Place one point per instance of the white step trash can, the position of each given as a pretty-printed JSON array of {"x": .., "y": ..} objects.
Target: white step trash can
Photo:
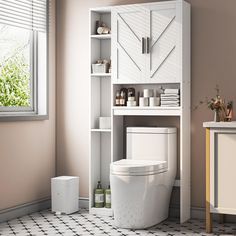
[{"x": 65, "y": 194}]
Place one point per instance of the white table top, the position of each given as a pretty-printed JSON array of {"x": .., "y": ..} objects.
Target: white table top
[{"x": 212, "y": 124}]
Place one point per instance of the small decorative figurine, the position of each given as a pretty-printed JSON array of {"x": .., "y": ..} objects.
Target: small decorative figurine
[
  {"x": 102, "y": 28},
  {"x": 229, "y": 111}
]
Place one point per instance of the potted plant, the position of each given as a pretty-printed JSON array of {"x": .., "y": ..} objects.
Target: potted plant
[{"x": 217, "y": 104}]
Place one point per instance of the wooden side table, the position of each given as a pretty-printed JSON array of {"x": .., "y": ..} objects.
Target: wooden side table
[{"x": 220, "y": 170}]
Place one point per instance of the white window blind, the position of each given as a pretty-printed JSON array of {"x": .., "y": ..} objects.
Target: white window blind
[{"x": 28, "y": 14}]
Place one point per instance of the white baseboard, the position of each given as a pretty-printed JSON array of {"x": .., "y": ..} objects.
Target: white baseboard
[
  {"x": 28, "y": 208},
  {"x": 199, "y": 213},
  {"x": 196, "y": 212},
  {"x": 83, "y": 202},
  {"x": 24, "y": 209}
]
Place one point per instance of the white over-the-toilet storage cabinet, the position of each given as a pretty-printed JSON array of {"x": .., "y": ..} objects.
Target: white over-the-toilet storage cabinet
[{"x": 149, "y": 46}]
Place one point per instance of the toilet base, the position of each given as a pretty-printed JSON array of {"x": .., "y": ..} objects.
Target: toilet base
[
  {"x": 140, "y": 202},
  {"x": 141, "y": 226}
]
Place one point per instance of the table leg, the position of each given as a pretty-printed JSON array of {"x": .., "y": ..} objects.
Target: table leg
[
  {"x": 208, "y": 213},
  {"x": 221, "y": 218}
]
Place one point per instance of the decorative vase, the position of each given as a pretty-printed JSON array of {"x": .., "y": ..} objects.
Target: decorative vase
[{"x": 217, "y": 116}]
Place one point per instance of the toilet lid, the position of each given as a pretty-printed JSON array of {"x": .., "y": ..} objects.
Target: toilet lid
[{"x": 138, "y": 167}]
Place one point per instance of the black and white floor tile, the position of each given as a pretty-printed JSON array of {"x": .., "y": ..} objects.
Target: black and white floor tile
[{"x": 82, "y": 223}]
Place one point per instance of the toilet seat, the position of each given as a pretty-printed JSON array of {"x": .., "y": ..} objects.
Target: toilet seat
[{"x": 138, "y": 167}]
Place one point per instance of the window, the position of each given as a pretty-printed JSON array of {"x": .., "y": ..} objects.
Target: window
[{"x": 23, "y": 57}]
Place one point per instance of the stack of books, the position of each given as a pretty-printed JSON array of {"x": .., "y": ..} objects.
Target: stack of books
[{"x": 170, "y": 98}]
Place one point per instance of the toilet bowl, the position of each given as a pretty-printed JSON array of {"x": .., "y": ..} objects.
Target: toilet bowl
[{"x": 141, "y": 184}]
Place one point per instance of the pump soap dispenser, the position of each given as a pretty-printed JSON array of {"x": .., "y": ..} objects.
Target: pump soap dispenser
[{"x": 99, "y": 196}]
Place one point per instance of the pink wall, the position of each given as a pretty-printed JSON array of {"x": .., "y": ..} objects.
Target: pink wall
[{"x": 27, "y": 156}]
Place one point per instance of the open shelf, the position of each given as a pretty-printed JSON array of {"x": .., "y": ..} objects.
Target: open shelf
[
  {"x": 100, "y": 106},
  {"x": 101, "y": 75},
  {"x": 101, "y": 36},
  {"x": 101, "y": 211},
  {"x": 101, "y": 130},
  {"x": 147, "y": 111}
]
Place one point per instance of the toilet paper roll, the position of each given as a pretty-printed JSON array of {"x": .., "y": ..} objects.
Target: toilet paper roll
[
  {"x": 143, "y": 102},
  {"x": 154, "y": 101},
  {"x": 148, "y": 93}
]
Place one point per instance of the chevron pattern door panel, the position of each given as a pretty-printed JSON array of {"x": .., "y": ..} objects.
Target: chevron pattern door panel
[
  {"x": 164, "y": 49},
  {"x": 129, "y": 28}
]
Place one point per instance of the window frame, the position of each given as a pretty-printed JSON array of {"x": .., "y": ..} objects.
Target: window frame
[{"x": 32, "y": 112}]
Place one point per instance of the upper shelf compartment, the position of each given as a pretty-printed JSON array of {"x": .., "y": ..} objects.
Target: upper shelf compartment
[
  {"x": 100, "y": 18},
  {"x": 100, "y": 39}
]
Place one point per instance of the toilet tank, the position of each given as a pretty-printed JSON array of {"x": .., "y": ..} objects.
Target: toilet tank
[{"x": 150, "y": 143}]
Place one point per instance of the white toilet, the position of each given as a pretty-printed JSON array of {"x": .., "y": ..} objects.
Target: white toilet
[{"x": 141, "y": 184}]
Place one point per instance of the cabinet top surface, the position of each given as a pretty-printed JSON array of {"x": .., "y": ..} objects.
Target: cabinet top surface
[
  {"x": 109, "y": 8},
  {"x": 212, "y": 124}
]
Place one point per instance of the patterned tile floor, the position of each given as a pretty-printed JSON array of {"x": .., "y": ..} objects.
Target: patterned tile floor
[{"x": 82, "y": 223}]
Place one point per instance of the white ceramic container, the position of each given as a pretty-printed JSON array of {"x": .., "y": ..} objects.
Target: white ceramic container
[{"x": 104, "y": 122}]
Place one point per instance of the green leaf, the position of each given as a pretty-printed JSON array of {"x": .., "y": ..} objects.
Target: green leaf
[{"x": 15, "y": 82}]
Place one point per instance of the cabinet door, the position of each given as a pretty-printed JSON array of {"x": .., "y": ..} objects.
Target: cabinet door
[
  {"x": 128, "y": 32},
  {"x": 162, "y": 44},
  {"x": 222, "y": 171}
]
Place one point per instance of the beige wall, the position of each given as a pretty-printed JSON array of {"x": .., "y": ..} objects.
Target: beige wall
[
  {"x": 27, "y": 149},
  {"x": 213, "y": 62}
]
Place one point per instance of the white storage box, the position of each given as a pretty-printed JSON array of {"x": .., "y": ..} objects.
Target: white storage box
[
  {"x": 65, "y": 194},
  {"x": 104, "y": 122},
  {"x": 100, "y": 68}
]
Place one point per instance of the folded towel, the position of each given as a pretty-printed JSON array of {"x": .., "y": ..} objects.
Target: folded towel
[
  {"x": 170, "y": 99},
  {"x": 170, "y": 105},
  {"x": 173, "y": 91},
  {"x": 169, "y": 96}
]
